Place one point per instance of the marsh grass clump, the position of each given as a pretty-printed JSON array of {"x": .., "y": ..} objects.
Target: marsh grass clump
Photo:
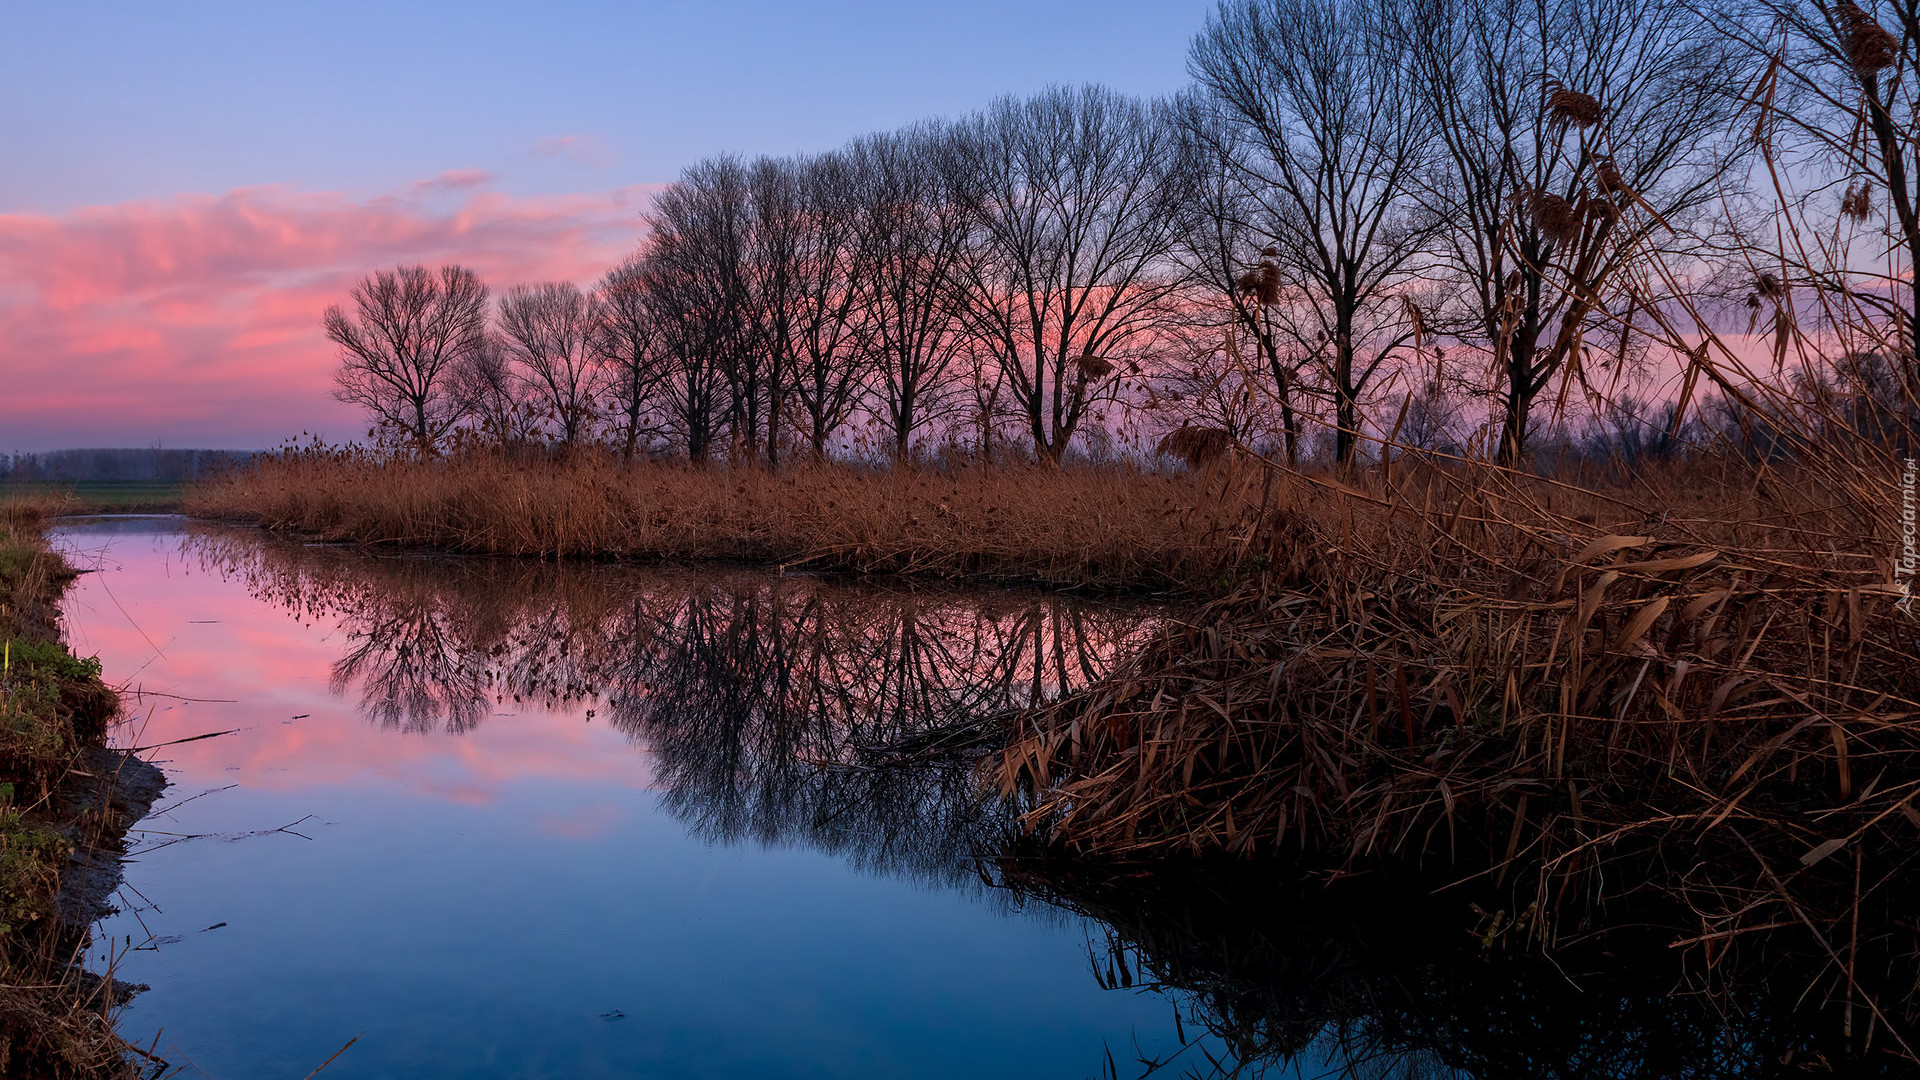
[
  {"x": 1102, "y": 527},
  {"x": 1868, "y": 44},
  {"x": 1554, "y": 216},
  {"x": 1692, "y": 688},
  {"x": 54, "y": 702},
  {"x": 49, "y": 699},
  {"x": 31, "y": 857},
  {"x": 1093, "y": 367},
  {"x": 1857, "y": 203}
]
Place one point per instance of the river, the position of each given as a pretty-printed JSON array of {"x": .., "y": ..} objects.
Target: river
[
  {"x": 499, "y": 818},
  {"x": 504, "y": 818}
]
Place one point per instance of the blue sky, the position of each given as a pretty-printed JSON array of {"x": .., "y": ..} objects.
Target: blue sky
[{"x": 102, "y": 103}]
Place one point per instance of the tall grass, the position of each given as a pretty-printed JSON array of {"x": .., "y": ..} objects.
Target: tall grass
[
  {"x": 1102, "y": 527},
  {"x": 1688, "y": 690}
]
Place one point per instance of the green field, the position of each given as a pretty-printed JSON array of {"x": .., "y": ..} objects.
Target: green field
[{"x": 106, "y": 496}]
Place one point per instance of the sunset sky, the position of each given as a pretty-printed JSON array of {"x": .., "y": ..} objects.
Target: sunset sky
[{"x": 188, "y": 185}]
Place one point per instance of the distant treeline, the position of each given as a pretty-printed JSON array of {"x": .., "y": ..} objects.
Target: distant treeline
[{"x": 119, "y": 463}]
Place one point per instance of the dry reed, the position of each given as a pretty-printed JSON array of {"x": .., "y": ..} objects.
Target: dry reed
[
  {"x": 1692, "y": 688},
  {"x": 1868, "y": 44},
  {"x": 1195, "y": 444},
  {"x": 1574, "y": 107},
  {"x": 1110, "y": 528},
  {"x": 1555, "y": 217}
]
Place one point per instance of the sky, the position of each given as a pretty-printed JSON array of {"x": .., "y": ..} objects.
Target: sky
[{"x": 185, "y": 187}]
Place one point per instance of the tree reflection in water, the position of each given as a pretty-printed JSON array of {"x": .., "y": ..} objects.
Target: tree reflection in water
[
  {"x": 774, "y": 708},
  {"x": 769, "y": 702},
  {"x": 1278, "y": 971}
]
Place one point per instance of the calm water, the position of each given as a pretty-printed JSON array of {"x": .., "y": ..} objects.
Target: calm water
[{"x": 500, "y": 819}]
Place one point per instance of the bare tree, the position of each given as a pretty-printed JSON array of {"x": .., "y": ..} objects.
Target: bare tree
[
  {"x": 1075, "y": 202},
  {"x": 409, "y": 332},
  {"x": 911, "y": 230},
  {"x": 1327, "y": 141},
  {"x": 776, "y": 244},
  {"x": 632, "y": 349},
  {"x": 496, "y": 398},
  {"x": 548, "y": 331},
  {"x": 693, "y": 337},
  {"x": 825, "y": 317},
  {"x": 700, "y": 232},
  {"x": 1574, "y": 131},
  {"x": 1234, "y": 275},
  {"x": 696, "y": 344}
]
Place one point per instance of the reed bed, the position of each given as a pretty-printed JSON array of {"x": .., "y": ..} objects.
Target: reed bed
[
  {"x": 1691, "y": 688},
  {"x": 24, "y": 513},
  {"x": 1105, "y": 528}
]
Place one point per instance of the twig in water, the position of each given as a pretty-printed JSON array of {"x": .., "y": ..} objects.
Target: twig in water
[
  {"x": 329, "y": 1061},
  {"x": 190, "y": 738},
  {"x": 196, "y": 700},
  {"x": 185, "y": 801}
]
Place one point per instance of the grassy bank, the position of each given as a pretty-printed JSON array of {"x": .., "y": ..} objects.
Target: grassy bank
[
  {"x": 57, "y": 797},
  {"x": 1111, "y": 528},
  {"x": 1692, "y": 691}
]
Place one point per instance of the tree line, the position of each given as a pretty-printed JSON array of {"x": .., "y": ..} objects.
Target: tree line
[
  {"x": 118, "y": 463},
  {"x": 1436, "y": 221}
]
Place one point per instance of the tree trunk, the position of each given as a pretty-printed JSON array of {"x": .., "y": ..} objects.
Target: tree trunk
[
  {"x": 1520, "y": 392},
  {"x": 1346, "y": 396},
  {"x": 1283, "y": 386}
]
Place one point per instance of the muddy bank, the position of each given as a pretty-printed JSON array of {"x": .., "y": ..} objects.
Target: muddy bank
[{"x": 112, "y": 790}]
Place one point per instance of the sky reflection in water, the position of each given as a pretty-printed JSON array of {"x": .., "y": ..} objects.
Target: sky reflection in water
[{"x": 677, "y": 885}]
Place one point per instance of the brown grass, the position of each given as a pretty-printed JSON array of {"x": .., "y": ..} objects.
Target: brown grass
[
  {"x": 1694, "y": 688},
  {"x": 1109, "y": 528},
  {"x": 22, "y": 515}
]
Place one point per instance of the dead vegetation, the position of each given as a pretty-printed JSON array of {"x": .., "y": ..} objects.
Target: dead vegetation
[
  {"x": 1694, "y": 689},
  {"x": 1096, "y": 527}
]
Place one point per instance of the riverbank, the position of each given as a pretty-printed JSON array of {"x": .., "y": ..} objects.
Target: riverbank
[
  {"x": 66, "y": 803},
  {"x": 1105, "y": 528},
  {"x": 1683, "y": 687},
  {"x": 1697, "y": 691}
]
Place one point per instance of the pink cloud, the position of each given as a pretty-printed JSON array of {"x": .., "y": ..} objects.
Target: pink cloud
[{"x": 196, "y": 319}]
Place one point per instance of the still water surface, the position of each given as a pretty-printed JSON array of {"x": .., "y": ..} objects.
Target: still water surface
[{"x": 496, "y": 818}]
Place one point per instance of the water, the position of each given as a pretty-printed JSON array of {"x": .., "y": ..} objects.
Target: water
[
  {"x": 493, "y": 818},
  {"x": 501, "y": 819}
]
